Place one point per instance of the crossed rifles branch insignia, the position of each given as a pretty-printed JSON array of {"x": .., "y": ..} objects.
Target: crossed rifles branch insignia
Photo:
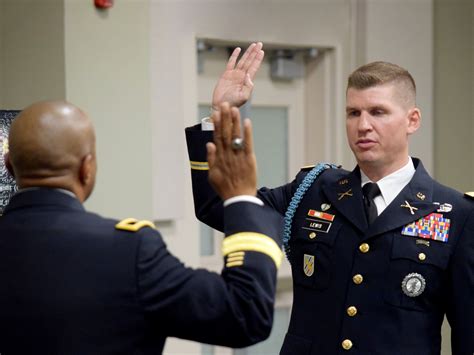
[
  {"x": 412, "y": 208},
  {"x": 341, "y": 195}
]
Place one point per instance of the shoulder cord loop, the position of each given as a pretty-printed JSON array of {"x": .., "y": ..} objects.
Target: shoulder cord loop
[{"x": 296, "y": 199}]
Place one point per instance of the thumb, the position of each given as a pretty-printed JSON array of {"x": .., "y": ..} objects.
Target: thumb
[{"x": 248, "y": 81}]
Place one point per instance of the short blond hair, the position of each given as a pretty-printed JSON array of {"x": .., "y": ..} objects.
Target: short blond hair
[{"x": 380, "y": 73}]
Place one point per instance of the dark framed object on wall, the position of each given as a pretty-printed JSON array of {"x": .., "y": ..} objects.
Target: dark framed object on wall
[{"x": 7, "y": 182}]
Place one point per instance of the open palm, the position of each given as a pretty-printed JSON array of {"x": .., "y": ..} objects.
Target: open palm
[{"x": 235, "y": 84}]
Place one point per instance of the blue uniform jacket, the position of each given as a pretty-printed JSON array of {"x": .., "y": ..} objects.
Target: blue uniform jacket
[
  {"x": 348, "y": 278},
  {"x": 72, "y": 282}
]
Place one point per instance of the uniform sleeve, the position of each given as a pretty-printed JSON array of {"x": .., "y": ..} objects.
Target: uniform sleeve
[
  {"x": 460, "y": 309},
  {"x": 207, "y": 204},
  {"x": 232, "y": 309}
]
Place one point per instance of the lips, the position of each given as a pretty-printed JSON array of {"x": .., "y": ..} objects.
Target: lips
[{"x": 365, "y": 143}]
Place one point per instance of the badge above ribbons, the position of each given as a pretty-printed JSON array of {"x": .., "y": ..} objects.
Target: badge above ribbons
[{"x": 433, "y": 226}]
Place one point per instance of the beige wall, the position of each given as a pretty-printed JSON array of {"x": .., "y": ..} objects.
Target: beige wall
[
  {"x": 32, "y": 55},
  {"x": 139, "y": 85},
  {"x": 454, "y": 93},
  {"x": 401, "y": 32},
  {"x": 107, "y": 73}
]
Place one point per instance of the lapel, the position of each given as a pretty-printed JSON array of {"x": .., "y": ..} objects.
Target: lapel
[
  {"x": 418, "y": 194},
  {"x": 345, "y": 195}
]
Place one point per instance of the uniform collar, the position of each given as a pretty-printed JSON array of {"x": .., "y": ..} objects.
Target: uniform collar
[
  {"x": 345, "y": 195},
  {"x": 42, "y": 197},
  {"x": 391, "y": 185}
]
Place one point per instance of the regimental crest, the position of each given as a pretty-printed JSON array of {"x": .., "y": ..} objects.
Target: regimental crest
[
  {"x": 308, "y": 266},
  {"x": 325, "y": 206},
  {"x": 434, "y": 226},
  {"x": 413, "y": 285}
]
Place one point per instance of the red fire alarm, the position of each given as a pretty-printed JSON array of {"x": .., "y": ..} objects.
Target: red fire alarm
[{"x": 103, "y": 4}]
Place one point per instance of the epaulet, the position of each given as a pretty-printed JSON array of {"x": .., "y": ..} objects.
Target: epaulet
[
  {"x": 469, "y": 195},
  {"x": 307, "y": 167},
  {"x": 133, "y": 225}
]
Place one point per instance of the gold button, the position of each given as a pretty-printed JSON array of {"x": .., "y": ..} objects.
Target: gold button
[
  {"x": 347, "y": 344},
  {"x": 312, "y": 235},
  {"x": 422, "y": 256},
  {"x": 358, "y": 278},
  {"x": 364, "y": 248},
  {"x": 351, "y": 311}
]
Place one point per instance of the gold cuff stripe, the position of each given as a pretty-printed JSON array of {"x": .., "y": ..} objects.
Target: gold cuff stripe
[
  {"x": 234, "y": 263},
  {"x": 199, "y": 165},
  {"x": 238, "y": 253},
  {"x": 234, "y": 258},
  {"x": 133, "y": 225},
  {"x": 250, "y": 241}
]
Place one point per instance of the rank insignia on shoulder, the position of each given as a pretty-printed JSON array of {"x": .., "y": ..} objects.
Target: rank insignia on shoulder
[
  {"x": 433, "y": 226},
  {"x": 133, "y": 225},
  {"x": 469, "y": 195}
]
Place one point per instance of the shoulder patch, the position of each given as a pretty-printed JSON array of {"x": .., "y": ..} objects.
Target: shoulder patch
[
  {"x": 469, "y": 195},
  {"x": 307, "y": 167},
  {"x": 133, "y": 225}
]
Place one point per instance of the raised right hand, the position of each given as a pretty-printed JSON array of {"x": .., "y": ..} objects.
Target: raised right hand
[
  {"x": 235, "y": 84},
  {"x": 231, "y": 172}
]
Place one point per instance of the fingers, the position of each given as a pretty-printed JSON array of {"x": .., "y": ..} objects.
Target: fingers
[
  {"x": 248, "y": 139},
  {"x": 216, "y": 119},
  {"x": 211, "y": 154},
  {"x": 226, "y": 125},
  {"x": 245, "y": 56},
  {"x": 255, "y": 64},
  {"x": 252, "y": 56},
  {"x": 233, "y": 59},
  {"x": 235, "y": 123}
]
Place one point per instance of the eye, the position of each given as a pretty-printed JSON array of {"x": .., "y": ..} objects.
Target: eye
[
  {"x": 353, "y": 113},
  {"x": 377, "y": 111}
]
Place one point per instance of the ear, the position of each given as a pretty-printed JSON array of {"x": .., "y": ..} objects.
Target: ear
[
  {"x": 414, "y": 120},
  {"x": 86, "y": 171},
  {"x": 8, "y": 164}
]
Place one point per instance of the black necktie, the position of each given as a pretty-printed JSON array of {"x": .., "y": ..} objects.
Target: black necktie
[{"x": 370, "y": 191}]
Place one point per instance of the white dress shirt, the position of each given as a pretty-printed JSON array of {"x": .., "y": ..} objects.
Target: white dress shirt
[{"x": 391, "y": 185}]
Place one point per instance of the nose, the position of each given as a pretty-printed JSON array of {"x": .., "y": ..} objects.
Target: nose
[{"x": 364, "y": 122}]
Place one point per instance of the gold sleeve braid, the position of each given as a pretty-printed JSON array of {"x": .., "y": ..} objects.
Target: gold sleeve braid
[
  {"x": 250, "y": 241},
  {"x": 199, "y": 165}
]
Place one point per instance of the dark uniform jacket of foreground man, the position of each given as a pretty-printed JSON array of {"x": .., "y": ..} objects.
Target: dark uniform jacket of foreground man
[
  {"x": 363, "y": 290},
  {"x": 73, "y": 282}
]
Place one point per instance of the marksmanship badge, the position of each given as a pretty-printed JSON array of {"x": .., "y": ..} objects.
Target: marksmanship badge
[{"x": 413, "y": 285}]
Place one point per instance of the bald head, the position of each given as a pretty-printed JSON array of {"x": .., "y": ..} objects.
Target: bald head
[{"x": 49, "y": 143}]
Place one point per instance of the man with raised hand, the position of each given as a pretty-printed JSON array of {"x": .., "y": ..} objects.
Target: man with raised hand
[
  {"x": 73, "y": 282},
  {"x": 379, "y": 254}
]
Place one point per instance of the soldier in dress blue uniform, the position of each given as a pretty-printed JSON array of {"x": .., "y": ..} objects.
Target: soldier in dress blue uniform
[
  {"x": 73, "y": 282},
  {"x": 379, "y": 254}
]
